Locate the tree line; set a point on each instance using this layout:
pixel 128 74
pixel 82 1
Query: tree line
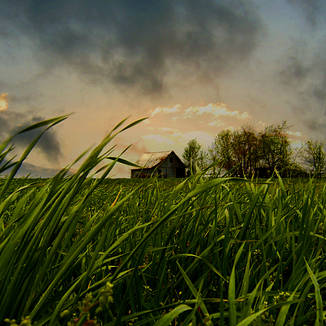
pixel 246 152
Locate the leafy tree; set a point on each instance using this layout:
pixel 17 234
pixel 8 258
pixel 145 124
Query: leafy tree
pixel 275 150
pixel 245 146
pixel 237 150
pixel 221 150
pixel 191 155
pixel 314 156
pixel 203 160
pixel 245 151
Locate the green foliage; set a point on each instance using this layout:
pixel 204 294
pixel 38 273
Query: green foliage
pixel 247 152
pixel 274 146
pixel 80 250
pixel 192 155
pixel 313 155
pixel 221 150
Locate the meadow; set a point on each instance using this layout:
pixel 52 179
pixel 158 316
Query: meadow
pixel 82 249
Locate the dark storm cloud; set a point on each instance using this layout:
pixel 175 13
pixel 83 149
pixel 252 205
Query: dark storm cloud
pixel 304 74
pixel 32 171
pixel 296 70
pixel 134 42
pixel 25 98
pixel 10 124
pixel 313 9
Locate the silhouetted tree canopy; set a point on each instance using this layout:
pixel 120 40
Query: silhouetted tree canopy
pixel 244 152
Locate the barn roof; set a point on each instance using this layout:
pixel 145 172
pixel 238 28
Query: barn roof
pixel 150 160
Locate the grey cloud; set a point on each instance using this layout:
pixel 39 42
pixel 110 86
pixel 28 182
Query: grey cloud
pixel 3 84
pixel 3 126
pixel 134 42
pixel 295 71
pixel 11 123
pixel 305 76
pixel 313 9
pixel 33 171
pixel 315 124
pixel 24 98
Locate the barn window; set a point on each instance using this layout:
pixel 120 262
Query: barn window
pixel 171 159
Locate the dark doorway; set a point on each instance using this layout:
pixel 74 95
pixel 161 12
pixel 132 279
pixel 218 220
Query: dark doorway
pixel 180 173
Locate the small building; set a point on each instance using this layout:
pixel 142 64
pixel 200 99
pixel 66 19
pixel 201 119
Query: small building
pixel 162 164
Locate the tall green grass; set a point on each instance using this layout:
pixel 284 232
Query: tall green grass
pixel 76 249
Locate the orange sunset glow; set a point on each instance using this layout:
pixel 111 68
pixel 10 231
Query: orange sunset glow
pixel 3 101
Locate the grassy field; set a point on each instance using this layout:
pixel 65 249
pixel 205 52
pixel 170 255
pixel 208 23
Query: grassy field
pixel 80 250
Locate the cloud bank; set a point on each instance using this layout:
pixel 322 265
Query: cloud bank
pixel 312 9
pixel 304 75
pixel 216 110
pixel 12 122
pixel 134 43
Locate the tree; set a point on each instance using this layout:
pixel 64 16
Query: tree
pixel 191 155
pixel 275 150
pixel 203 160
pixel 314 156
pixel 246 151
pixel 221 150
pixel 236 150
pixel 245 146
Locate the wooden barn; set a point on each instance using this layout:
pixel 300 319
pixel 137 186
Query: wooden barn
pixel 162 164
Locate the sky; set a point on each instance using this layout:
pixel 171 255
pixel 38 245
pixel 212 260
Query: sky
pixel 193 68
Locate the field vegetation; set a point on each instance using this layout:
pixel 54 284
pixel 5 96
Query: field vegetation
pixel 82 249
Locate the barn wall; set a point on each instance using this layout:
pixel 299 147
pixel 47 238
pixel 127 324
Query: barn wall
pixel 171 167
pixel 143 173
